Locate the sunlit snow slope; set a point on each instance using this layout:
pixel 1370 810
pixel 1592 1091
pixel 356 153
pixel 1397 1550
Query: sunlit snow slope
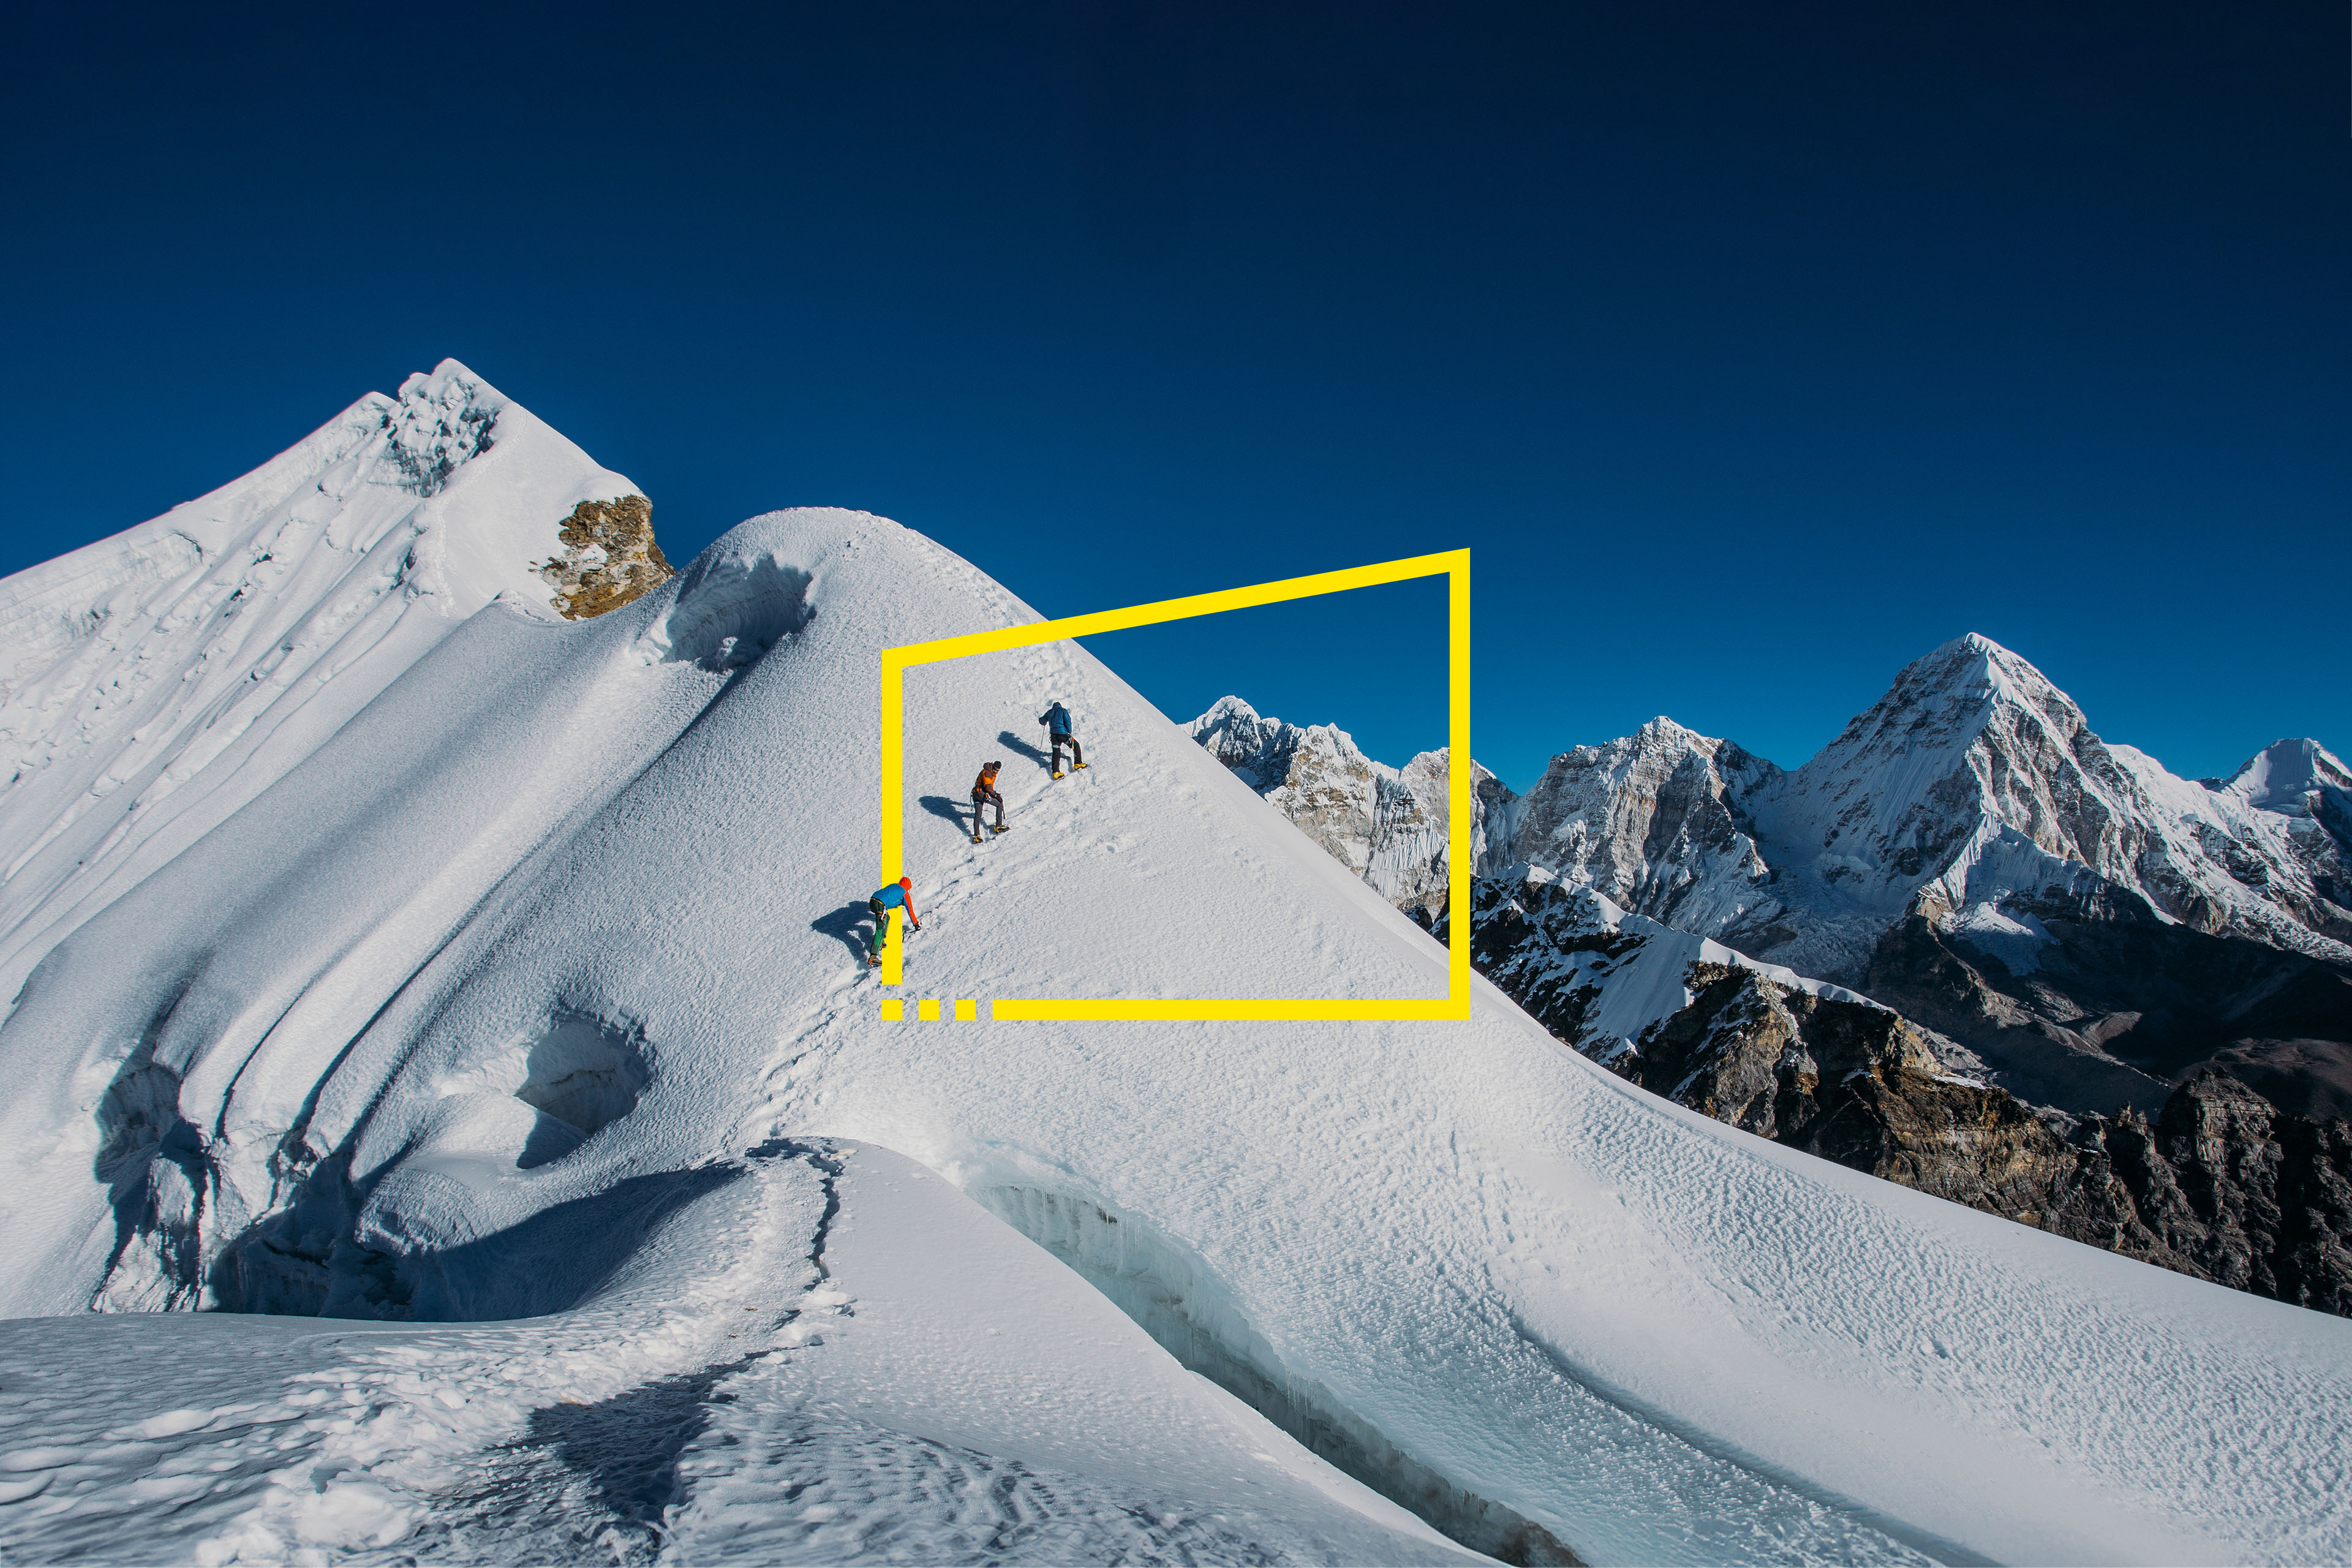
pixel 569 910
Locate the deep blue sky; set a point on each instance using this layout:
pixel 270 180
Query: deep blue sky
pixel 1754 349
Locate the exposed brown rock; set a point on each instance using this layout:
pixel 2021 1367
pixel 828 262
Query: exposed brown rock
pixel 2243 1193
pixel 609 557
pixel 1854 1084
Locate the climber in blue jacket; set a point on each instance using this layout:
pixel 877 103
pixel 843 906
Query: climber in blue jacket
pixel 1058 722
pixel 900 894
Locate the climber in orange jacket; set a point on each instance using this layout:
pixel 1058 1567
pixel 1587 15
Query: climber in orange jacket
pixel 984 794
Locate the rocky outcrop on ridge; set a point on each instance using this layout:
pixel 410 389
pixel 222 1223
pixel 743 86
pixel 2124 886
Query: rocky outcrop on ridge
pixel 609 558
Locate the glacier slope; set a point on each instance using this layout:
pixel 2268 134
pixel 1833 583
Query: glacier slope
pixel 1513 1290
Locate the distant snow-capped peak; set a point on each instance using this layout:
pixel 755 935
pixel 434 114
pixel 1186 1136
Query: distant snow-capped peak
pixel 1653 821
pixel 1390 825
pixel 2285 775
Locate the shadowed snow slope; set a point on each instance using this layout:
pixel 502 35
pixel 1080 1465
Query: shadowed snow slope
pixel 570 909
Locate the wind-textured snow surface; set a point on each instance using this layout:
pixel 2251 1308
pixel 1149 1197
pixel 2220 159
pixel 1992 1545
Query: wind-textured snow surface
pixel 449 1022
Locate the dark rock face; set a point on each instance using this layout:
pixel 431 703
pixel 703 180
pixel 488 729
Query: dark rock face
pixel 2241 1193
pixel 2118 1006
pixel 1854 1084
pixel 2307 1078
pixel 1516 938
pixel 2223 1185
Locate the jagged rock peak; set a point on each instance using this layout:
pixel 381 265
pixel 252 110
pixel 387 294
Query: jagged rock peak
pixel 1663 738
pixel 1653 820
pixel 1264 749
pixel 1389 826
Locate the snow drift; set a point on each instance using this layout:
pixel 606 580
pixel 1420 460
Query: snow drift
pixel 433 1022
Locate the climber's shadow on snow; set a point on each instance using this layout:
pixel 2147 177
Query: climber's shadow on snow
pixel 1012 741
pixel 946 810
pixel 848 922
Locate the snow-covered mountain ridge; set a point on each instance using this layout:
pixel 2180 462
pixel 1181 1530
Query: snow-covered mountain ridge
pixel 153 682
pixel 1974 788
pixel 1973 793
pixel 527 1002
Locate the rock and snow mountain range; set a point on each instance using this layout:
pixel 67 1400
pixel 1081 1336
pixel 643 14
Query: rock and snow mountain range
pixel 478 1044
pixel 2030 909
pixel 1387 825
pixel 1968 850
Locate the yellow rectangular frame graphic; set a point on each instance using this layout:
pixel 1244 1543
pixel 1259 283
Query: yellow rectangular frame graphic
pixel 1452 564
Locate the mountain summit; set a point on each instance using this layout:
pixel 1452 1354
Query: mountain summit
pixel 1976 785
